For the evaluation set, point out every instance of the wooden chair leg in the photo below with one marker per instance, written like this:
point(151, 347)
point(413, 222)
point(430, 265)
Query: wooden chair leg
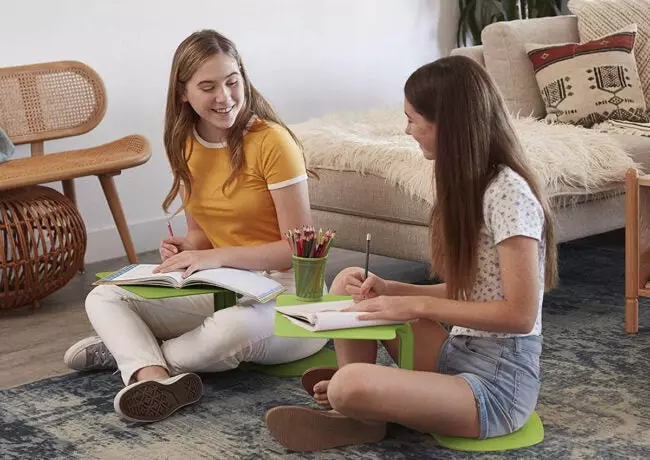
point(108, 185)
point(70, 192)
point(631, 252)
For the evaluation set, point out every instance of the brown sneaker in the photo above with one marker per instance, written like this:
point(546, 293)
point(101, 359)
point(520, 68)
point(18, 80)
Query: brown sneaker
point(303, 429)
point(154, 400)
point(316, 374)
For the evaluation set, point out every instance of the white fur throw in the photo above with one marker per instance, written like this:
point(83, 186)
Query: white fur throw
point(570, 160)
point(623, 127)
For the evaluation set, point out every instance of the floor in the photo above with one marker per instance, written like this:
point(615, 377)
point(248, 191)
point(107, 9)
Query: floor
point(34, 341)
point(593, 401)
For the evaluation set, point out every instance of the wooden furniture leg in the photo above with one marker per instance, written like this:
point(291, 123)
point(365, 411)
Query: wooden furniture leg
point(108, 185)
point(69, 190)
point(71, 194)
point(631, 251)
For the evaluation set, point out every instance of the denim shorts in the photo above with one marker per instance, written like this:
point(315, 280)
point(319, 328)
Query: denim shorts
point(503, 374)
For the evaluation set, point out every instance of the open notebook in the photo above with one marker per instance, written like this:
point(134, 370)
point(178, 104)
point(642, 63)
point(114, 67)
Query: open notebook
point(326, 316)
point(244, 282)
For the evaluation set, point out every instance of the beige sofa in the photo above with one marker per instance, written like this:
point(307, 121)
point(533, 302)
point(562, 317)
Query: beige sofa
point(355, 204)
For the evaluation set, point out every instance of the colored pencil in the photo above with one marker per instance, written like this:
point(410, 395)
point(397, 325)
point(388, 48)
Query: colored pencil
point(307, 242)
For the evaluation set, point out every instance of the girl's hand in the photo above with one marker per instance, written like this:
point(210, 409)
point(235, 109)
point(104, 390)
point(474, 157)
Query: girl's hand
point(391, 308)
point(173, 245)
point(191, 261)
point(361, 289)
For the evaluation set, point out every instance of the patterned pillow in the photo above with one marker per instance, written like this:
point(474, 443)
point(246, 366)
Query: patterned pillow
point(591, 82)
point(602, 17)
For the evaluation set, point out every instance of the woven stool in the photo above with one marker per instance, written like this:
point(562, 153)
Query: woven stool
point(42, 244)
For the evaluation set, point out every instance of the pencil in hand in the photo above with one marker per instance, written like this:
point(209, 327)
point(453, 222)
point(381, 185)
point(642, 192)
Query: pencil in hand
point(365, 271)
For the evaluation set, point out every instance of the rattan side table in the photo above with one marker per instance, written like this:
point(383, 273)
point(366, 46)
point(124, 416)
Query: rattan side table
point(42, 244)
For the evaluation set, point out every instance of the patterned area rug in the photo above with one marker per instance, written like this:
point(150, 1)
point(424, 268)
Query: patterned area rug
point(593, 404)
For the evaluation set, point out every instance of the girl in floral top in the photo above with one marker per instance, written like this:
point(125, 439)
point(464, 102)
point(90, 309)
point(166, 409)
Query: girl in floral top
point(493, 244)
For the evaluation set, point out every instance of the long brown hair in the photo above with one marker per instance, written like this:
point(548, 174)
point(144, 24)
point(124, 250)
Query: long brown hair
point(475, 137)
point(180, 117)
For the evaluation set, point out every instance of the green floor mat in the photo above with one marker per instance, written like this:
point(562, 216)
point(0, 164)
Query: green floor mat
point(530, 434)
point(324, 357)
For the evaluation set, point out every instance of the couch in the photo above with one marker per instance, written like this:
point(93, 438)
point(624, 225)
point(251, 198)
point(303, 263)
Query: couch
point(356, 203)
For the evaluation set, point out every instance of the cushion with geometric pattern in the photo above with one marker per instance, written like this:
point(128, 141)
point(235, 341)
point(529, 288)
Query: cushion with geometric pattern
point(601, 17)
point(588, 83)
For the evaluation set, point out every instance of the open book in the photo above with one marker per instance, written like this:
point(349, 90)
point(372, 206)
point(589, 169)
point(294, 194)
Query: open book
point(244, 282)
point(326, 316)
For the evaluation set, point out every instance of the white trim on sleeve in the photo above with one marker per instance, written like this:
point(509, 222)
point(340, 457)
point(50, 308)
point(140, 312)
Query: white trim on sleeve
point(286, 183)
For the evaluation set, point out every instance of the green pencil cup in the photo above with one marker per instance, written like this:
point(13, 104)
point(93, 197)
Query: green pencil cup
point(310, 278)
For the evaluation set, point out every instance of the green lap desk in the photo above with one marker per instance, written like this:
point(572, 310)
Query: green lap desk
point(285, 328)
point(530, 434)
point(224, 298)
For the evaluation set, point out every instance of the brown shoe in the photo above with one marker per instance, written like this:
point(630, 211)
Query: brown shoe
point(155, 400)
point(303, 429)
point(316, 374)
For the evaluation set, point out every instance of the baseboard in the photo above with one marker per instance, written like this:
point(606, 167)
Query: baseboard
point(105, 243)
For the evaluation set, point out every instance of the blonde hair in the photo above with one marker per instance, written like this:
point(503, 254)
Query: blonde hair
point(180, 118)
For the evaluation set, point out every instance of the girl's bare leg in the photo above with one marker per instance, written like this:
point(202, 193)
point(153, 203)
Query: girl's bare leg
point(429, 338)
point(425, 401)
point(151, 373)
point(360, 390)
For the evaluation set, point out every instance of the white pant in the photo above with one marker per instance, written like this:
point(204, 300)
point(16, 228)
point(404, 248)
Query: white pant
point(194, 337)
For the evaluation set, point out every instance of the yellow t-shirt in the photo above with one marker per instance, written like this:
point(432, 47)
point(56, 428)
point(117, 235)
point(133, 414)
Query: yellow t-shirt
point(246, 216)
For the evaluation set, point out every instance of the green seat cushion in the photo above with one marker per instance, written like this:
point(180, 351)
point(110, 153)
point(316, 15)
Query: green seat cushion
point(528, 435)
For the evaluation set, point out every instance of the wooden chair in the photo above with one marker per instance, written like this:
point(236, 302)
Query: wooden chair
point(53, 100)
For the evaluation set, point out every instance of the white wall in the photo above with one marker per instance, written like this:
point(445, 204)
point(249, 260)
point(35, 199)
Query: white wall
point(307, 57)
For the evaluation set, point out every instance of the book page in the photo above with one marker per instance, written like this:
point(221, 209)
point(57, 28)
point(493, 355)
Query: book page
point(326, 316)
point(144, 272)
point(328, 321)
point(244, 282)
point(309, 309)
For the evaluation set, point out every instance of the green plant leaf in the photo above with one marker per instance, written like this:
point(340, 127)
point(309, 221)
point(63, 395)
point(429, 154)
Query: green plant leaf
point(474, 21)
point(511, 9)
point(463, 27)
point(475, 15)
point(498, 6)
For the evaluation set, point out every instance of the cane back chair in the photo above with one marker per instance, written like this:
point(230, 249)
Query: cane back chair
point(41, 102)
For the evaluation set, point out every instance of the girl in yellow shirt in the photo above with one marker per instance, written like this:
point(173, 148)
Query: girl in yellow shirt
point(242, 177)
